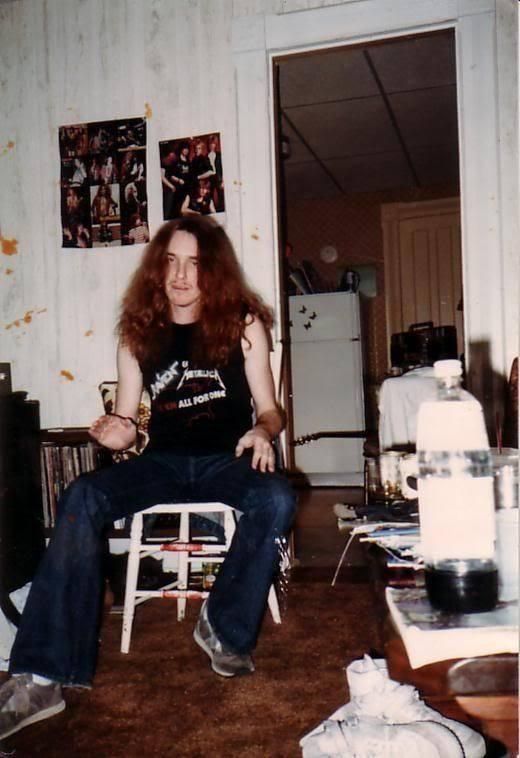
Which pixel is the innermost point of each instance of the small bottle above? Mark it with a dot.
(456, 504)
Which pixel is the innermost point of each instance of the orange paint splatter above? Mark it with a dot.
(9, 247)
(147, 111)
(89, 333)
(255, 237)
(8, 147)
(9, 271)
(67, 375)
(26, 319)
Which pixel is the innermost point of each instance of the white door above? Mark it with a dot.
(423, 267)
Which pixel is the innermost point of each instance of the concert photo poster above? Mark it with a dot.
(104, 200)
(192, 178)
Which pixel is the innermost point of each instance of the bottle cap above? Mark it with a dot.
(447, 368)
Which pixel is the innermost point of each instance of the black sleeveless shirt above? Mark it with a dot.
(196, 409)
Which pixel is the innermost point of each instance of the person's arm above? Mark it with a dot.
(165, 181)
(269, 418)
(118, 431)
(185, 208)
(206, 174)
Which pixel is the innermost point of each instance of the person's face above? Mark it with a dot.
(198, 149)
(72, 200)
(181, 280)
(185, 151)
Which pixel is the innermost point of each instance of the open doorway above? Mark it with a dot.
(363, 129)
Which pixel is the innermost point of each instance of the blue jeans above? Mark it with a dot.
(58, 632)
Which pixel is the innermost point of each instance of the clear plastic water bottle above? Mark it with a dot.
(456, 505)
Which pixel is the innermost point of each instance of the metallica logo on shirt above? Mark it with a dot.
(199, 386)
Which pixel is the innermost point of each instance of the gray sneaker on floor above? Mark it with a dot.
(23, 702)
(223, 661)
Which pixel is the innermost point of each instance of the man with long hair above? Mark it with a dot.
(195, 335)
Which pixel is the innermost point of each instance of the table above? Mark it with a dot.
(480, 690)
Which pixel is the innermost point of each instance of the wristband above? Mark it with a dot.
(124, 418)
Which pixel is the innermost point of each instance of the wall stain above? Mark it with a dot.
(67, 375)
(9, 247)
(147, 110)
(9, 271)
(89, 333)
(8, 147)
(255, 236)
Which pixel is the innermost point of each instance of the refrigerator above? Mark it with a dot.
(327, 387)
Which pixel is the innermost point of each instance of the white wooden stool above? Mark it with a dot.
(187, 552)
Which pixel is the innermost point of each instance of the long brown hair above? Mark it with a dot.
(226, 298)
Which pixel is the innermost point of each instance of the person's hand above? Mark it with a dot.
(263, 453)
(113, 432)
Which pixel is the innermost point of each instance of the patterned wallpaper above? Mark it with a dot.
(352, 224)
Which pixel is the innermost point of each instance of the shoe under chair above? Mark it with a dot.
(188, 551)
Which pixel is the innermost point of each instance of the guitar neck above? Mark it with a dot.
(357, 434)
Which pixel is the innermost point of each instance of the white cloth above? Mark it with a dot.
(399, 400)
(7, 628)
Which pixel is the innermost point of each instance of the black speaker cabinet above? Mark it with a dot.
(22, 540)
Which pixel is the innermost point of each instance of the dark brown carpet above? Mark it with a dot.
(163, 699)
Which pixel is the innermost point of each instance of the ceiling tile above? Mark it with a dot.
(427, 60)
(370, 173)
(304, 181)
(427, 117)
(436, 164)
(324, 77)
(339, 129)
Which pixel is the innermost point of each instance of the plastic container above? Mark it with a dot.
(505, 477)
(456, 504)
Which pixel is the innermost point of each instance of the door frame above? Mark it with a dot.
(488, 146)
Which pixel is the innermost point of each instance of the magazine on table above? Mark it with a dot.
(430, 635)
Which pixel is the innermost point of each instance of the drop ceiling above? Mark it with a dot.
(367, 118)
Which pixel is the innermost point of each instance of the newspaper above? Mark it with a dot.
(430, 635)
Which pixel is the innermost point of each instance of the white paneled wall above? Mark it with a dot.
(69, 61)
(66, 61)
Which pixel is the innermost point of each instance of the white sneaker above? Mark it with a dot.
(371, 739)
(373, 694)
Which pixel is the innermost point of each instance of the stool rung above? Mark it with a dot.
(190, 547)
(188, 594)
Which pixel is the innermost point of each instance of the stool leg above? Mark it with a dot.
(274, 607)
(132, 572)
(183, 565)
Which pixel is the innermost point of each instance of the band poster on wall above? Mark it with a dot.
(103, 183)
(192, 177)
